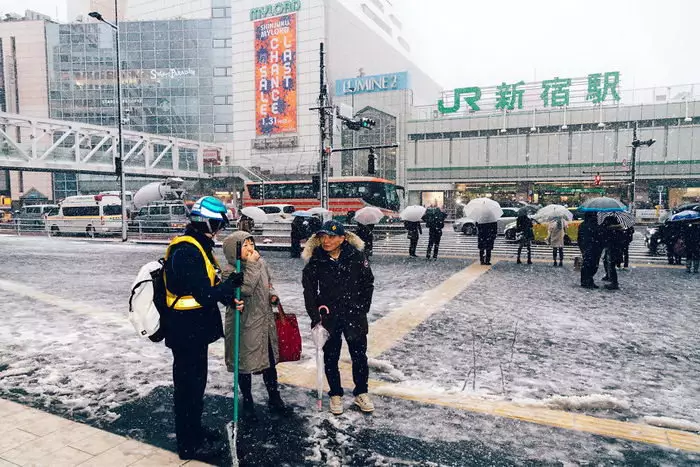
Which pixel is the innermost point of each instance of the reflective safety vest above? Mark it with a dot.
(188, 302)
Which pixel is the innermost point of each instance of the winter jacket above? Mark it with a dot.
(690, 233)
(557, 232)
(258, 326)
(366, 234)
(589, 235)
(487, 234)
(186, 274)
(614, 241)
(434, 219)
(524, 224)
(344, 285)
(414, 229)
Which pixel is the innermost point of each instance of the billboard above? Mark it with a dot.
(276, 75)
(375, 83)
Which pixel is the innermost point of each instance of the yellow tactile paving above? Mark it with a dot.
(29, 437)
(390, 329)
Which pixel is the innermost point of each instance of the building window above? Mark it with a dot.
(222, 43)
(223, 71)
(404, 44)
(223, 100)
(223, 128)
(379, 5)
(374, 17)
(221, 12)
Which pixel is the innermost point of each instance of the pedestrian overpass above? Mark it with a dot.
(48, 145)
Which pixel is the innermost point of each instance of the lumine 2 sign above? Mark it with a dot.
(276, 9)
(553, 93)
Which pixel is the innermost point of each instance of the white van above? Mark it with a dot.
(93, 214)
(278, 212)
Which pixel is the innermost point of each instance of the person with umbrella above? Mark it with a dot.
(414, 231)
(366, 218)
(485, 212)
(523, 226)
(338, 286)
(613, 239)
(435, 221)
(486, 237)
(591, 246)
(556, 233)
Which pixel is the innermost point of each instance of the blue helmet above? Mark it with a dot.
(210, 211)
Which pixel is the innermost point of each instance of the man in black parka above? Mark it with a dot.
(338, 287)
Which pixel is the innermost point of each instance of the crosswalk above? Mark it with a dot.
(456, 244)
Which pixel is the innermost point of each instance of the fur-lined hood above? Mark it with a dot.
(314, 242)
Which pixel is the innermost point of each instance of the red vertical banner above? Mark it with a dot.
(276, 75)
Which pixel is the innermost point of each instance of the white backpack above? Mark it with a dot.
(147, 293)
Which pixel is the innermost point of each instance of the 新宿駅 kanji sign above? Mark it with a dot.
(551, 93)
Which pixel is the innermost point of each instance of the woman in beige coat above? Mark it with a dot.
(557, 232)
(259, 351)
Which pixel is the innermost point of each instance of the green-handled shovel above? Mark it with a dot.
(232, 428)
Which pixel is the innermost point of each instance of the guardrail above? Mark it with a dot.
(273, 232)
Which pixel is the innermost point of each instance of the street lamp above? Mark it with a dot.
(119, 162)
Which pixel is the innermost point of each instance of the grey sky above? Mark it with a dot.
(469, 42)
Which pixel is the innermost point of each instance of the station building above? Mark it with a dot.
(548, 142)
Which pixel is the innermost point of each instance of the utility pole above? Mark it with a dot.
(322, 107)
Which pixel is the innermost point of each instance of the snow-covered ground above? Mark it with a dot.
(66, 345)
(533, 336)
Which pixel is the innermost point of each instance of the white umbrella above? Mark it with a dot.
(324, 213)
(368, 215)
(255, 213)
(413, 213)
(553, 212)
(483, 210)
(319, 335)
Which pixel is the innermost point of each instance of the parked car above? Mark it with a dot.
(278, 212)
(468, 227)
(161, 216)
(34, 216)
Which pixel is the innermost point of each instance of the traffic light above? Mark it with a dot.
(370, 162)
(357, 125)
(367, 123)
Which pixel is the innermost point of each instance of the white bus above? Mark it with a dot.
(91, 215)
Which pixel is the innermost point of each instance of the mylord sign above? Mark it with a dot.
(376, 83)
(276, 9)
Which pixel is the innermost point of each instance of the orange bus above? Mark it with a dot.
(346, 195)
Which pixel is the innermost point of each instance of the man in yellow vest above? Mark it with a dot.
(193, 321)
